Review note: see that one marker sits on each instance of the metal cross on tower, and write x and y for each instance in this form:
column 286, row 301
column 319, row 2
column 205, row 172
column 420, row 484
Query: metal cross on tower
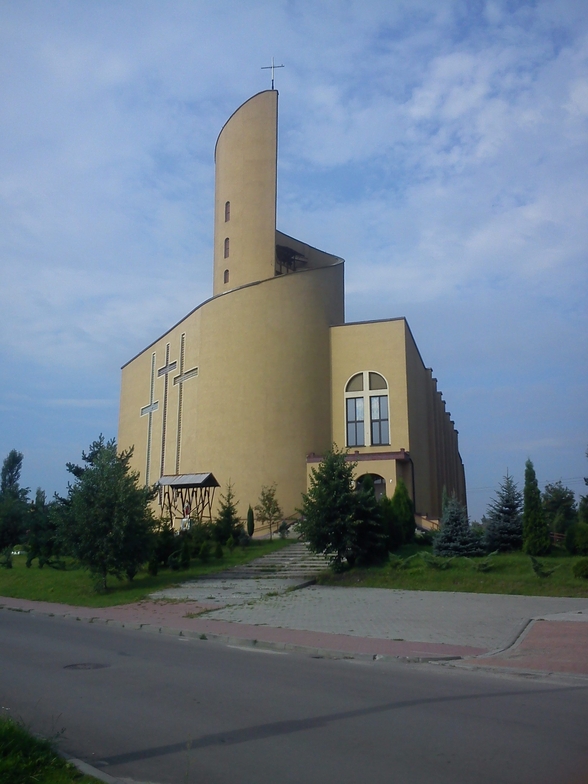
column 273, row 68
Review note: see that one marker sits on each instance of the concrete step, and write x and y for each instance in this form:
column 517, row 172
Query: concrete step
column 293, row 562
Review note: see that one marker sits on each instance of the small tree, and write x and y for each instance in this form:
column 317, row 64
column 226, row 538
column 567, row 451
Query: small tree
column 392, row 527
column 328, row 508
column 268, row 509
column 504, row 529
column 41, row 534
column 106, row 523
column 13, row 502
column 370, row 540
column 559, row 507
column 535, row 528
column 404, row 511
column 227, row 523
column 456, row 537
column 250, row 521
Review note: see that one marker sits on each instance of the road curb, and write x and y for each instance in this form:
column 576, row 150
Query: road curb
column 248, row 642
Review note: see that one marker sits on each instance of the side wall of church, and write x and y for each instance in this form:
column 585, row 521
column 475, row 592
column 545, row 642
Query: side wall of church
column 433, row 438
column 261, row 399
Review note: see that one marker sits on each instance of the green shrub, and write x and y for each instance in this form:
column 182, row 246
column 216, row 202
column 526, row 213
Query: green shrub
column 185, row 552
column 581, row 568
column 250, row 521
column 218, row 551
column 230, row 544
column 204, row 553
column 577, row 539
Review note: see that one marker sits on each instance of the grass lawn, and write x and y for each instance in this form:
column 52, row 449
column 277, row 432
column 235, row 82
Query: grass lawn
column 75, row 585
column 25, row 759
column 511, row 573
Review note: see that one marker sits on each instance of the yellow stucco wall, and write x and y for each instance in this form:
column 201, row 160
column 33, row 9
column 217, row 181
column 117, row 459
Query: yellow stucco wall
column 246, row 170
column 419, row 424
column 261, row 400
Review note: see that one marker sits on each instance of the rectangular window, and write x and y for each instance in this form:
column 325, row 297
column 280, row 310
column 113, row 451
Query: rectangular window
column 355, row 422
column 379, row 420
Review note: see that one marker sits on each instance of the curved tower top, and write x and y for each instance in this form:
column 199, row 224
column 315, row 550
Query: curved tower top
column 246, row 157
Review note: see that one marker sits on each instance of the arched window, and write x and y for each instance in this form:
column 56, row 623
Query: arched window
column 227, row 211
column 226, row 276
column 359, row 400
column 226, row 247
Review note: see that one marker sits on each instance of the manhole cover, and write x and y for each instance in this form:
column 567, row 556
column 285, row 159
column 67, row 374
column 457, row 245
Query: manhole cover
column 85, row 666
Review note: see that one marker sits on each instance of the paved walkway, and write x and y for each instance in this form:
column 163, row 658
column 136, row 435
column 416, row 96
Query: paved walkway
column 372, row 623
column 256, row 604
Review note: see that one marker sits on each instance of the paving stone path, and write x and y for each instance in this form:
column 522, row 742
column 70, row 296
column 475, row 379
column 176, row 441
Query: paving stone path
column 291, row 567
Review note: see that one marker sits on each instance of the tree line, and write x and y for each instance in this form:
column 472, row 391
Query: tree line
column 105, row 522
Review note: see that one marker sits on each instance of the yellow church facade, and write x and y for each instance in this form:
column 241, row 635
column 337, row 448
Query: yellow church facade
column 256, row 383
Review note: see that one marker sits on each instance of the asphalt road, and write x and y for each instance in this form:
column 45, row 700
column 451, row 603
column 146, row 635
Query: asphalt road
column 162, row 709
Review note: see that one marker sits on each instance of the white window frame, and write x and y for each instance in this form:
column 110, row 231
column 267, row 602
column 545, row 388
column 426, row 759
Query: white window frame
column 366, row 394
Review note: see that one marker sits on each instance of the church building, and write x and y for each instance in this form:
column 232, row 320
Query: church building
column 257, row 382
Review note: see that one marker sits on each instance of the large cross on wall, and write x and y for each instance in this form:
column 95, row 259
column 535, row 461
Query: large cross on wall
column 152, row 407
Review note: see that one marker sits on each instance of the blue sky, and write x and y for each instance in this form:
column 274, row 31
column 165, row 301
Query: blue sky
column 439, row 147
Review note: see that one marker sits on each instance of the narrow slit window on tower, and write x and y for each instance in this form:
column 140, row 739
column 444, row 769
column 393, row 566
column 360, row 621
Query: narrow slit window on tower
column 226, row 247
column 227, row 211
column 226, row 276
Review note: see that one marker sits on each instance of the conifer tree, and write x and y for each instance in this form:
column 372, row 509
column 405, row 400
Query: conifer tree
column 456, row 537
column 328, row 509
column 535, row 528
column 404, row 511
column 106, row 522
column 227, row 523
column 250, row 521
column 13, row 502
column 392, row 527
column 370, row 540
column 505, row 522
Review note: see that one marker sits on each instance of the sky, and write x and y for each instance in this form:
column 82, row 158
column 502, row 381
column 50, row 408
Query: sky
column 438, row 146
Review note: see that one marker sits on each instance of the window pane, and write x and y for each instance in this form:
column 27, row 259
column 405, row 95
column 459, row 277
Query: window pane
column 376, row 433
column 359, row 408
column 359, row 436
column 377, row 381
column 351, row 435
column 355, row 384
column 375, row 401
column 384, row 407
column 351, row 409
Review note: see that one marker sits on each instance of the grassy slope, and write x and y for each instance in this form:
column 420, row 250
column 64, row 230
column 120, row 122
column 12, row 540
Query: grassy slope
column 512, row 573
column 25, row 759
column 75, row 585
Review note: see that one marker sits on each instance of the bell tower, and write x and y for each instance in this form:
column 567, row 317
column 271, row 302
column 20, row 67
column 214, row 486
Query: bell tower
column 245, row 194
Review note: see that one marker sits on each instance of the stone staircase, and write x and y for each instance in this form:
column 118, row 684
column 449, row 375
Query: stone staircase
column 294, row 562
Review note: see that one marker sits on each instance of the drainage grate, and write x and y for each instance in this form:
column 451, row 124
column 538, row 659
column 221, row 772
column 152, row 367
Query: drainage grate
column 86, row 666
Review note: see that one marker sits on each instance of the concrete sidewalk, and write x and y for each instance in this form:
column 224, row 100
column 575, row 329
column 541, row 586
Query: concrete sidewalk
column 481, row 630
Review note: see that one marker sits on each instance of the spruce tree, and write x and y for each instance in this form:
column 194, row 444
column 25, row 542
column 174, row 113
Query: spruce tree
column 536, row 539
column 227, row 523
column 456, row 537
column 504, row 530
column 106, row 522
column 328, row 509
